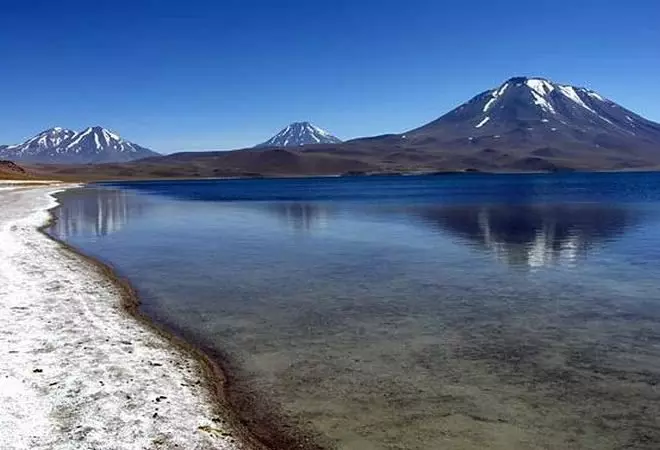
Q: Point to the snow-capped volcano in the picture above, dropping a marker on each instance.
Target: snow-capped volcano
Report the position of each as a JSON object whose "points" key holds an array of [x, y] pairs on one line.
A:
{"points": [[60, 145], [533, 117], [529, 99], [530, 113], [300, 133]]}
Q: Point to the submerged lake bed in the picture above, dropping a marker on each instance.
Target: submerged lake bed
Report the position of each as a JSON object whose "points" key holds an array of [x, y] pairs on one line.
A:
{"points": [[462, 312]]}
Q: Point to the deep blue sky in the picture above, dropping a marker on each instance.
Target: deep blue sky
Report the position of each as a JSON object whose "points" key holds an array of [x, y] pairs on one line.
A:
{"points": [[175, 75]]}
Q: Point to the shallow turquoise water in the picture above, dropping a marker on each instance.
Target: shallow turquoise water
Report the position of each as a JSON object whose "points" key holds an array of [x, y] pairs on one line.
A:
{"points": [[504, 312]]}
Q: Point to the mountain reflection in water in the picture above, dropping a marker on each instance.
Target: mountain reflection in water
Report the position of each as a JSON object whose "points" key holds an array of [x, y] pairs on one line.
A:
{"points": [[519, 235], [302, 216], [533, 235], [99, 212]]}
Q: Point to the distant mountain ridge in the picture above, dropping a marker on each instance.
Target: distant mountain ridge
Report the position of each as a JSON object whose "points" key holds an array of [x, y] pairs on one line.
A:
{"points": [[526, 124], [298, 134], [64, 146]]}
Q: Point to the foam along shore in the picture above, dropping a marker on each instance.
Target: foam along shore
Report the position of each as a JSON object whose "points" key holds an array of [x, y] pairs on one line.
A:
{"points": [[76, 370]]}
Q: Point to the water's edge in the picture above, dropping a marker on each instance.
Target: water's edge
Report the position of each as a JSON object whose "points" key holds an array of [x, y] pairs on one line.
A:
{"points": [[254, 419]]}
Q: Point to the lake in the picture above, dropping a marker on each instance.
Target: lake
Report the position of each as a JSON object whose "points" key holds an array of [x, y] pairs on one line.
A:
{"points": [[458, 312]]}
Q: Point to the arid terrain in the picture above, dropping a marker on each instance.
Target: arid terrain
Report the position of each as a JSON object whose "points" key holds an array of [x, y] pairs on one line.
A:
{"points": [[353, 158]]}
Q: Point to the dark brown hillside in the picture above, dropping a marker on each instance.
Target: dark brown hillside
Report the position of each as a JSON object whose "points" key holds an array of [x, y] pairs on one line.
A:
{"points": [[11, 171]]}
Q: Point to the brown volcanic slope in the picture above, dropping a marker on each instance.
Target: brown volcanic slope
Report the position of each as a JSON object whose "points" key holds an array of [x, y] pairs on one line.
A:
{"points": [[12, 171], [525, 124], [239, 163]]}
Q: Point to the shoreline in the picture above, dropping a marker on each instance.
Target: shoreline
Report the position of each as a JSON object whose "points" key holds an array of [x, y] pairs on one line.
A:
{"points": [[266, 433], [214, 376], [195, 372]]}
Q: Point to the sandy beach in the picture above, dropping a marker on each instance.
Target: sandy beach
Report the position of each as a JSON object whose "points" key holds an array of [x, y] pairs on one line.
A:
{"points": [[77, 371]]}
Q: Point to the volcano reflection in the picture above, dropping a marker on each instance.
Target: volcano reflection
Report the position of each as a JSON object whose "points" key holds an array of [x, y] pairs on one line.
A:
{"points": [[301, 217], [534, 235], [98, 212]]}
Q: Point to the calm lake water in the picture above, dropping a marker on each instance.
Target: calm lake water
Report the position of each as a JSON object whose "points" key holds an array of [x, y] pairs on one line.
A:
{"points": [[455, 312]]}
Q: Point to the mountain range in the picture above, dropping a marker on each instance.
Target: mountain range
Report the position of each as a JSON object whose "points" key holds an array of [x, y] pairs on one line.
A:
{"points": [[93, 145], [524, 124]]}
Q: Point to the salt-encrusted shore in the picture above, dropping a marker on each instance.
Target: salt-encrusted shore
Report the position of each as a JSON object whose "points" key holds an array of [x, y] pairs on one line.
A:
{"points": [[76, 370], [26, 182]]}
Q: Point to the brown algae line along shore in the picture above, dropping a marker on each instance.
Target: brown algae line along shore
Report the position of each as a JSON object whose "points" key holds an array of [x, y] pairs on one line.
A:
{"points": [[254, 420]]}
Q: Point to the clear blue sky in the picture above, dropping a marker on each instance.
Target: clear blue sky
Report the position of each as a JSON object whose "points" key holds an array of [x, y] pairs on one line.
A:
{"points": [[187, 74]]}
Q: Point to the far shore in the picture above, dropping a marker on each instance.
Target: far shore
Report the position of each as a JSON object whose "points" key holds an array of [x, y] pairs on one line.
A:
{"points": [[93, 174]]}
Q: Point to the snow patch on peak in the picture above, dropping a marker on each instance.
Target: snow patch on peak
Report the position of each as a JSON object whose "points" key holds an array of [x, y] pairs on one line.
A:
{"points": [[483, 122], [540, 86], [495, 95], [594, 95], [319, 130], [489, 103], [77, 138], [542, 102], [110, 136], [570, 92]]}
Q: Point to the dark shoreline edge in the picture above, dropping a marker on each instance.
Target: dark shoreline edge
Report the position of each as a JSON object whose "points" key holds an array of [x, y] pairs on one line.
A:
{"points": [[256, 422]]}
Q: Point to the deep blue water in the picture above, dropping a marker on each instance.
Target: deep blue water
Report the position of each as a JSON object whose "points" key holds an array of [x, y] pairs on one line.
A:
{"points": [[459, 311], [455, 189]]}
